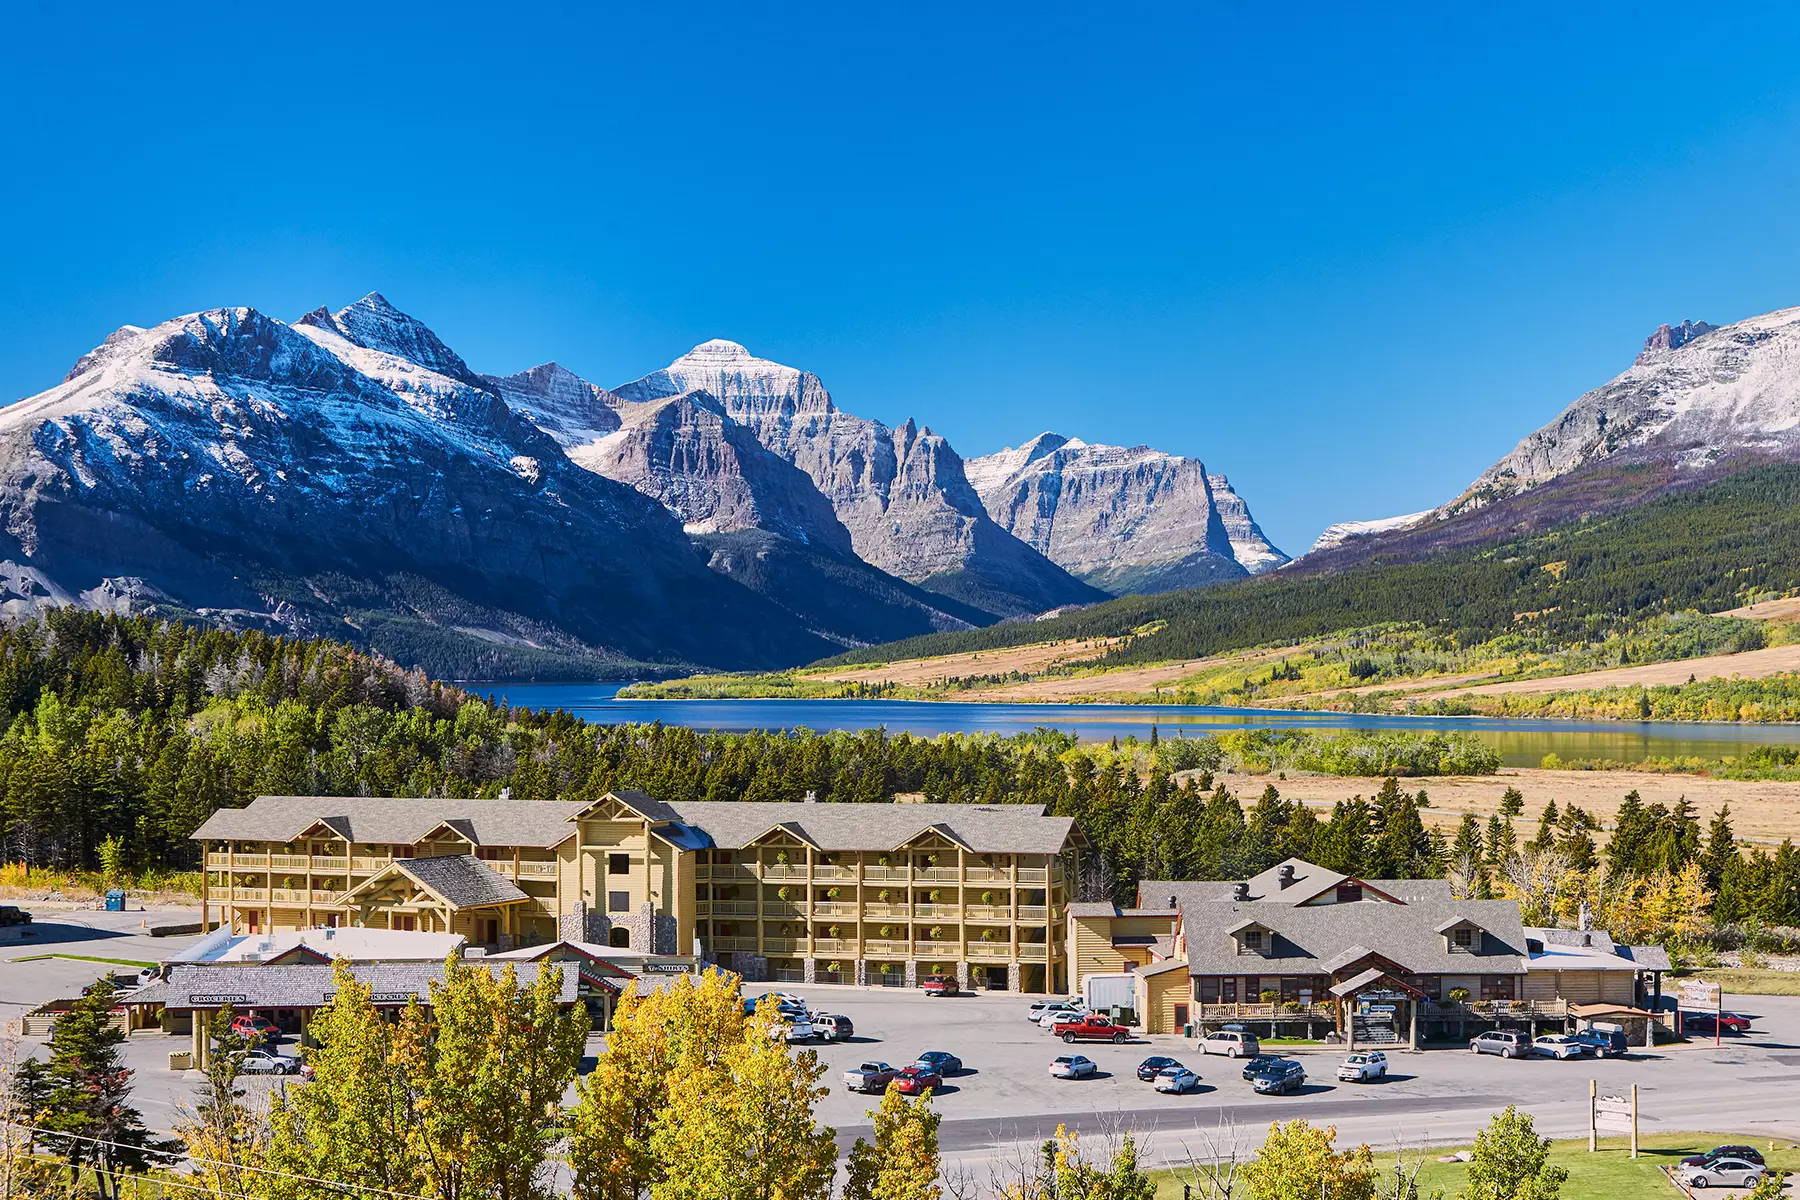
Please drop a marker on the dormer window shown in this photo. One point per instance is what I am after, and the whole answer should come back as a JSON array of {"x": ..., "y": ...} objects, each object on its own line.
[
  {"x": 1349, "y": 893},
  {"x": 1253, "y": 940},
  {"x": 1462, "y": 937}
]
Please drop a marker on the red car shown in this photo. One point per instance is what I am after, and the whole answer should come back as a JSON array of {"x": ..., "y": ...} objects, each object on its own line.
[
  {"x": 914, "y": 1080},
  {"x": 254, "y": 1028},
  {"x": 941, "y": 985},
  {"x": 1090, "y": 1028},
  {"x": 1703, "y": 1022}
]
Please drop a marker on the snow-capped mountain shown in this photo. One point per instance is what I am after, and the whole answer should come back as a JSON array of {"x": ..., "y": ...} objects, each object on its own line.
[
  {"x": 1697, "y": 396},
  {"x": 1249, "y": 545},
  {"x": 1127, "y": 519},
  {"x": 348, "y": 474},
  {"x": 1345, "y": 531},
  {"x": 900, "y": 492}
]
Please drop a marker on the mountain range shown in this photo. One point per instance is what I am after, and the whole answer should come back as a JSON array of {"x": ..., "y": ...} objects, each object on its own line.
[{"x": 349, "y": 474}]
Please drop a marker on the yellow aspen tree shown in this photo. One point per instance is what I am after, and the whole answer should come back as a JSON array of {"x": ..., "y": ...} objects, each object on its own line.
[
  {"x": 902, "y": 1162},
  {"x": 654, "y": 1035},
  {"x": 743, "y": 1128},
  {"x": 1299, "y": 1161}
]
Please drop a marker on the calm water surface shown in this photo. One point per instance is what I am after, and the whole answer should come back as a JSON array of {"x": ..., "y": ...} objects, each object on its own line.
[{"x": 1521, "y": 743}]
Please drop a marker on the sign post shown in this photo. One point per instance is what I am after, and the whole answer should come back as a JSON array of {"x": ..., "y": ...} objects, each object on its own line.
[
  {"x": 1618, "y": 1113},
  {"x": 1698, "y": 994}
]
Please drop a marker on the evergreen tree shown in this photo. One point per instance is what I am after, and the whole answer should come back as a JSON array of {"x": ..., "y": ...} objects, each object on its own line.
[
  {"x": 1546, "y": 831},
  {"x": 1626, "y": 850},
  {"x": 92, "y": 1125},
  {"x": 1721, "y": 853}
]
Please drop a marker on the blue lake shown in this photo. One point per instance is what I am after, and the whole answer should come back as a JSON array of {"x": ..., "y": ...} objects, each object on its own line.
[{"x": 1522, "y": 743}]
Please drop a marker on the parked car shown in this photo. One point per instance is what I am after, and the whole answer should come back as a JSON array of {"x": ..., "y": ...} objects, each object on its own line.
[
  {"x": 1091, "y": 1028},
  {"x": 1232, "y": 1043},
  {"x": 869, "y": 1077},
  {"x": 831, "y": 1027},
  {"x": 1062, "y": 1010},
  {"x": 1556, "y": 1045},
  {"x": 255, "y": 1028},
  {"x": 1252, "y": 1066},
  {"x": 1724, "y": 1171},
  {"x": 1747, "y": 1153},
  {"x": 264, "y": 1062},
  {"x": 1039, "y": 1007},
  {"x": 1148, "y": 1069},
  {"x": 1361, "y": 1067},
  {"x": 12, "y": 914},
  {"x": 1282, "y": 1075},
  {"x": 793, "y": 1029},
  {"x": 1072, "y": 1066},
  {"x": 941, "y": 1061},
  {"x": 1601, "y": 1043},
  {"x": 1703, "y": 1023},
  {"x": 1177, "y": 1080},
  {"x": 915, "y": 1079},
  {"x": 942, "y": 985},
  {"x": 1507, "y": 1043}
]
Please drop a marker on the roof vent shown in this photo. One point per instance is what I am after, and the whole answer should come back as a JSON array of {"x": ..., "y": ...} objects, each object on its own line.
[
  {"x": 1174, "y": 902},
  {"x": 329, "y": 932},
  {"x": 506, "y": 793},
  {"x": 1587, "y": 939},
  {"x": 812, "y": 797},
  {"x": 1284, "y": 875},
  {"x": 1240, "y": 890}
]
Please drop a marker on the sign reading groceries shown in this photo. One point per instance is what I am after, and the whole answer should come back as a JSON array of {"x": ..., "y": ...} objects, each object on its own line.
[{"x": 1697, "y": 993}]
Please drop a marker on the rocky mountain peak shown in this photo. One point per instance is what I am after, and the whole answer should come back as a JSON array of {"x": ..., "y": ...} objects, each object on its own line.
[
  {"x": 1672, "y": 337},
  {"x": 747, "y": 385},
  {"x": 559, "y": 402},
  {"x": 375, "y": 324}
]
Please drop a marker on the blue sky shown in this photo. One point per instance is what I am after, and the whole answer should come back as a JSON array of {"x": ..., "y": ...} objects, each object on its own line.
[{"x": 1346, "y": 256}]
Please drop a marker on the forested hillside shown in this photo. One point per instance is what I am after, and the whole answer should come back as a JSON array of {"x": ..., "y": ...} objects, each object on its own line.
[
  {"x": 1709, "y": 550},
  {"x": 133, "y": 730}
]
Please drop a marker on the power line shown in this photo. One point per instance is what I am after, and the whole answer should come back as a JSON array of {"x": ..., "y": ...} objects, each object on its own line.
[{"x": 360, "y": 1189}]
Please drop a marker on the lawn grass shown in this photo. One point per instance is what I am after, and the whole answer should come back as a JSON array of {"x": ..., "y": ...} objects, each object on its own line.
[
  {"x": 1608, "y": 1174},
  {"x": 1744, "y": 981},
  {"x": 117, "y": 962}
]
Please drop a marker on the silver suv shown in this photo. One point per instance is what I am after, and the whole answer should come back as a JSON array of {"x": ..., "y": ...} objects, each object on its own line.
[{"x": 1507, "y": 1043}]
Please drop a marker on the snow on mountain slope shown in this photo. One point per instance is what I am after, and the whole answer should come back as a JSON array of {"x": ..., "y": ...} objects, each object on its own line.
[
  {"x": 901, "y": 493},
  {"x": 1344, "y": 531},
  {"x": 1249, "y": 545},
  {"x": 1695, "y": 396},
  {"x": 1121, "y": 518},
  {"x": 225, "y": 462}
]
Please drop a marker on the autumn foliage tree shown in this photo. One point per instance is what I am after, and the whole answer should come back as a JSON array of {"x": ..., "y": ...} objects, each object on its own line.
[
  {"x": 1299, "y": 1161},
  {"x": 902, "y": 1162}
]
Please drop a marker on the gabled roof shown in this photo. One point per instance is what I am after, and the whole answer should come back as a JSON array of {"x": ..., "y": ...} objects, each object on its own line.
[
  {"x": 1162, "y": 968},
  {"x": 460, "y": 880},
  {"x": 311, "y": 985},
  {"x": 379, "y": 821},
  {"x": 1449, "y": 923},
  {"x": 1309, "y": 938},
  {"x": 791, "y": 828},
  {"x": 982, "y": 828},
  {"x": 1348, "y": 955},
  {"x": 1358, "y": 982}
]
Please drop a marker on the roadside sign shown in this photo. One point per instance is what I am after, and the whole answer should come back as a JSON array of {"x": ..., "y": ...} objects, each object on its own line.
[
  {"x": 1612, "y": 1112},
  {"x": 1697, "y": 993}
]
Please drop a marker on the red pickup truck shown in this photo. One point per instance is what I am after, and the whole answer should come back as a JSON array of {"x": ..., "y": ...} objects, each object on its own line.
[
  {"x": 942, "y": 985},
  {"x": 1090, "y": 1028}
]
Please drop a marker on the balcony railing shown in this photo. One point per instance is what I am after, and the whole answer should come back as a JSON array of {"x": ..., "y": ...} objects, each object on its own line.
[
  {"x": 784, "y": 871},
  {"x": 833, "y": 908},
  {"x": 989, "y": 951},
  {"x": 1488, "y": 1010},
  {"x": 834, "y": 945},
  {"x": 833, "y": 871},
  {"x": 1033, "y": 875},
  {"x": 937, "y": 911},
  {"x": 880, "y": 948},
  {"x": 783, "y": 945},
  {"x": 732, "y": 908},
  {"x": 936, "y": 874},
  {"x": 539, "y": 870},
  {"x": 733, "y": 943},
  {"x": 886, "y": 874},
  {"x": 331, "y": 864},
  {"x": 1033, "y": 952},
  {"x": 988, "y": 875},
  {"x": 1257, "y": 1011},
  {"x": 289, "y": 862},
  {"x": 988, "y": 912},
  {"x": 886, "y": 911},
  {"x": 321, "y": 896},
  {"x": 1034, "y": 913},
  {"x": 249, "y": 893},
  {"x": 249, "y": 861},
  {"x": 288, "y": 895},
  {"x": 782, "y": 911}
]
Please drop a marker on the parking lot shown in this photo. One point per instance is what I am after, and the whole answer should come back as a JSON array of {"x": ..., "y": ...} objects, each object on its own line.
[{"x": 1006, "y": 1095}]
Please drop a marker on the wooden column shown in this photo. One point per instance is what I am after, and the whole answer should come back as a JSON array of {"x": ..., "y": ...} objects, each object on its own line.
[{"x": 807, "y": 908}]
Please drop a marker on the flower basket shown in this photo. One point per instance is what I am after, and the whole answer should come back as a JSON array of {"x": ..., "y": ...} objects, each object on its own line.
[{"x": 1459, "y": 995}]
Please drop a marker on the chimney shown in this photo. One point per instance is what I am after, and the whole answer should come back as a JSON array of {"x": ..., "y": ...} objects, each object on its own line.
[
  {"x": 1240, "y": 890},
  {"x": 1284, "y": 875},
  {"x": 1586, "y": 922}
]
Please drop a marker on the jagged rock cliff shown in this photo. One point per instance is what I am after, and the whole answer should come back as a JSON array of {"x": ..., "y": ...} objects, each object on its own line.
[
  {"x": 348, "y": 474},
  {"x": 1696, "y": 396},
  {"x": 900, "y": 492},
  {"x": 1126, "y": 519}
]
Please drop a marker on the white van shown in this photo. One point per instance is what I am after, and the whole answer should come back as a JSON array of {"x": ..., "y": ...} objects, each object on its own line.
[{"x": 1232, "y": 1043}]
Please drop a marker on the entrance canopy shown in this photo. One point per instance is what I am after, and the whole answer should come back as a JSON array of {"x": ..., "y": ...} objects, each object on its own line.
[{"x": 1367, "y": 980}]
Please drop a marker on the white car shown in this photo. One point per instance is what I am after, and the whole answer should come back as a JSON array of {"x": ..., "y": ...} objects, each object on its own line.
[
  {"x": 263, "y": 1062},
  {"x": 1360, "y": 1068},
  {"x": 1556, "y": 1045},
  {"x": 1072, "y": 1066},
  {"x": 1060, "y": 1011},
  {"x": 1177, "y": 1080},
  {"x": 1726, "y": 1172},
  {"x": 1040, "y": 1007},
  {"x": 793, "y": 1029}
]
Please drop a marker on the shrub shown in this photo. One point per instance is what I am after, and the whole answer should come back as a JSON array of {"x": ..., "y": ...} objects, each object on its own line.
[
  {"x": 1267, "y": 996},
  {"x": 1459, "y": 995}
]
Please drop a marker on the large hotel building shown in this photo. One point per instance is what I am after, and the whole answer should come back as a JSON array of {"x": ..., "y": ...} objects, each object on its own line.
[{"x": 802, "y": 892}]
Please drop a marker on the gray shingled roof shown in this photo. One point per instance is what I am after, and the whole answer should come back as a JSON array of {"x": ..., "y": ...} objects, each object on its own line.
[
  {"x": 461, "y": 879},
  {"x": 310, "y": 985},
  {"x": 691, "y": 824},
  {"x": 1307, "y": 939},
  {"x": 378, "y": 821},
  {"x": 984, "y": 828}
]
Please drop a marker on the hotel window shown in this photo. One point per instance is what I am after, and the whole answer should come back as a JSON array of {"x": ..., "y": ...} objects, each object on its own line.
[
  {"x": 618, "y": 902},
  {"x": 618, "y": 864},
  {"x": 1496, "y": 987}
]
